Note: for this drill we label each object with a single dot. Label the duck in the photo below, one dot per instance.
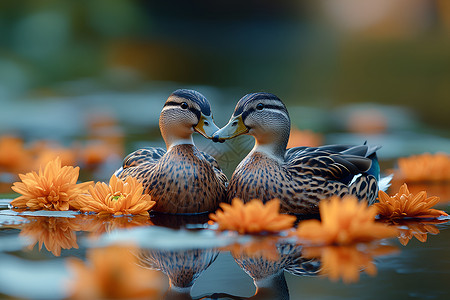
(302, 176)
(182, 266)
(181, 179)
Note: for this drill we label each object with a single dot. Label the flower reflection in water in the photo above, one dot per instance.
(418, 229)
(113, 273)
(182, 267)
(53, 233)
(57, 233)
(101, 224)
(264, 247)
(346, 262)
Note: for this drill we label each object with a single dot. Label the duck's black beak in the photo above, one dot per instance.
(235, 127)
(216, 138)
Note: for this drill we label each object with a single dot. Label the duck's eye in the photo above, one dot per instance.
(206, 123)
(260, 106)
(184, 105)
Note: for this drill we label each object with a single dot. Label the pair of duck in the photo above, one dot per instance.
(183, 179)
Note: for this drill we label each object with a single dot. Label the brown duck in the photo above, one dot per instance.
(300, 177)
(181, 179)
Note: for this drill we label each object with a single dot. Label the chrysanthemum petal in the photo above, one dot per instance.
(252, 217)
(51, 189)
(344, 221)
(118, 197)
(404, 204)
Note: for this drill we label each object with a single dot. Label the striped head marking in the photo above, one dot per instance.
(200, 105)
(186, 111)
(259, 114)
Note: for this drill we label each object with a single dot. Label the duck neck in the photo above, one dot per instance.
(272, 150)
(272, 138)
(173, 131)
(273, 145)
(174, 141)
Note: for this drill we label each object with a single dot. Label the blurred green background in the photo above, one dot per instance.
(314, 53)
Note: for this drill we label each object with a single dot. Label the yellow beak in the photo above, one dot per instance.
(234, 128)
(206, 126)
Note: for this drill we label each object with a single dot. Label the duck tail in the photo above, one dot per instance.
(385, 182)
(375, 170)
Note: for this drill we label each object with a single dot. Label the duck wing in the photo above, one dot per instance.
(149, 156)
(332, 162)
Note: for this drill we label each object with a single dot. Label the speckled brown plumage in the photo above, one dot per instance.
(299, 182)
(300, 177)
(181, 180)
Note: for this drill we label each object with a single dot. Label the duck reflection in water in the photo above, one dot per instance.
(178, 221)
(182, 267)
(268, 273)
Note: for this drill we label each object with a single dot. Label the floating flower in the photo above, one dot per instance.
(425, 167)
(347, 262)
(404, 204)
(306, 138)
(14, 157)
(53, 188)
(113, 273)
(344, 221)
(54, 233)
(95, 154)
(439, 189)
(252, 217)
(118, 198)
(367, 121)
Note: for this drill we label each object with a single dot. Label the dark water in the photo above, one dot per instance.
(210, 263)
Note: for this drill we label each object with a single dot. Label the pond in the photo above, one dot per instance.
(185, 257)
(36, 250)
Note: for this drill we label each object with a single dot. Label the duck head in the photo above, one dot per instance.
(262, 115)
(184, 112)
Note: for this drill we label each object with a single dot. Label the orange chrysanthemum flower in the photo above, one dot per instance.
(303, 138)
(344, 221)
(253, 217)
(404, 204)
(346, 262)
(13, 156)
(118, 198)
(425, 167)
(114, 273)
(51, 189)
